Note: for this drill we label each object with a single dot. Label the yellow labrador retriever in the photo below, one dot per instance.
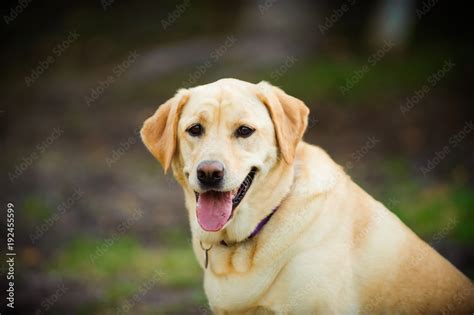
(277, 225)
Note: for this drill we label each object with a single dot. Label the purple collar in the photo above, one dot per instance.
(262, 223)
(258, 228)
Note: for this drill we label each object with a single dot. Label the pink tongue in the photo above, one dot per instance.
(214, 210)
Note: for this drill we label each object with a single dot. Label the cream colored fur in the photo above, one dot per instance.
(330, 248)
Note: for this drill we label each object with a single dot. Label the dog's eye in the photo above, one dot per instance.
(244, 131)
(195, 130)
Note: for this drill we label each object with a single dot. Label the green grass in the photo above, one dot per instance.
(439, 208)
(122, 267)
(36, 209)
(124, 259)
(318, 78)
(426, 207)
(322, 78)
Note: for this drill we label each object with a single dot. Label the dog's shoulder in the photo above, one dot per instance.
(315, 171)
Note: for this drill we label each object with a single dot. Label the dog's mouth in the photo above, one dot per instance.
(215, 208)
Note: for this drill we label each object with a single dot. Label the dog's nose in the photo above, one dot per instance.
(210, 173)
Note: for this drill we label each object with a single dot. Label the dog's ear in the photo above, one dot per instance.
(159, 131)
(289, 115)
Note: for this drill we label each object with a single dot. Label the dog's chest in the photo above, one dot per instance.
(295, 281)
(233, 280)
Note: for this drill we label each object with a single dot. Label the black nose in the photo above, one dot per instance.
(210, 173)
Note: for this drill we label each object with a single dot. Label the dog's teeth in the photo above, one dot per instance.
(239, 193)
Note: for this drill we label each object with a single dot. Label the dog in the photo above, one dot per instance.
(277, 226)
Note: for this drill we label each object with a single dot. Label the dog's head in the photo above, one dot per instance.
(224, 140)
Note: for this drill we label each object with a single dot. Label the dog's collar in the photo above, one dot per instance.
(254, 233)
(258, 228)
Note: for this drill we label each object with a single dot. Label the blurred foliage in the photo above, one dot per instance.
(118, 268)
(322, 78)
(428, 205)
(35, 208)
(127, 258)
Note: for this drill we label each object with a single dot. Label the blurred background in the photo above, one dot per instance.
(101, 230)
